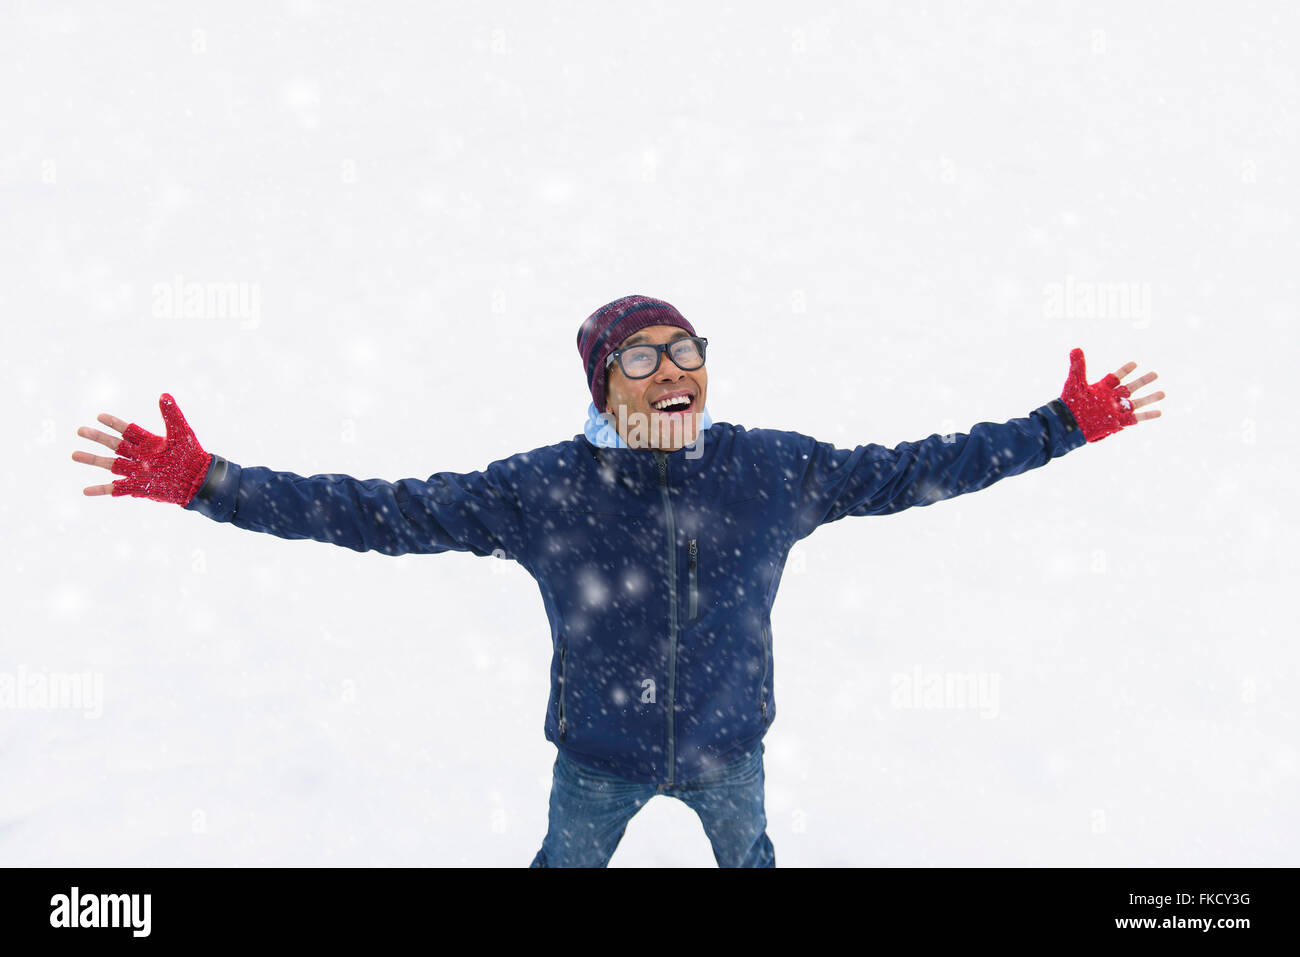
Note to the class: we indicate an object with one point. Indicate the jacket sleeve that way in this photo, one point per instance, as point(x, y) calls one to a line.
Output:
point(833, 483)
point(469, 512)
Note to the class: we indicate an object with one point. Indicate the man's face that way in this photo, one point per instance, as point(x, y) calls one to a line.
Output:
point(632, 401)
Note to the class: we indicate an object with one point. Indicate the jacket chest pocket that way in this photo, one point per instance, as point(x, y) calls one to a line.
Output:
point(767, 667)
point(693, 576)
point(564, 727)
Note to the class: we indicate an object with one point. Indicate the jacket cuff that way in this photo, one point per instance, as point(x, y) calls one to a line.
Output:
point(1063, 431)
point(216, 497)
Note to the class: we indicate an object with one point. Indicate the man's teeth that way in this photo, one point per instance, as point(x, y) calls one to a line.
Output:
point(675, 401)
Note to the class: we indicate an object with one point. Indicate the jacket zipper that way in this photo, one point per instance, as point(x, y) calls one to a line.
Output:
point(672, 608)
point(767, 658)
point(563, 649)
point(694, 590)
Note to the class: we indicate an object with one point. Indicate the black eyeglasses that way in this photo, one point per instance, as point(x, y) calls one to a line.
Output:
point(640, 361)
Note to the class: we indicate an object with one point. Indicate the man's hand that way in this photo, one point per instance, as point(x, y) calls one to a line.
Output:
point(164, 469)
point(1106, 406)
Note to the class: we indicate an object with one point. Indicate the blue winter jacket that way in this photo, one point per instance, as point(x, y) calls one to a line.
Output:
point(658, 570)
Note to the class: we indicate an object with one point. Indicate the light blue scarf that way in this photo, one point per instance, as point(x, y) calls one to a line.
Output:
point(602, 434)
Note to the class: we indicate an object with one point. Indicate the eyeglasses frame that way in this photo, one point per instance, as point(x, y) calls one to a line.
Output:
point(661, 350)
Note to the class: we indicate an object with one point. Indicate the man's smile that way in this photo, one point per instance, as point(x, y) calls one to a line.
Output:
point(679, 401)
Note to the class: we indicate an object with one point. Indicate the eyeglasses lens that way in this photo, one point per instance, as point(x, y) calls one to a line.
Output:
point(640, 361)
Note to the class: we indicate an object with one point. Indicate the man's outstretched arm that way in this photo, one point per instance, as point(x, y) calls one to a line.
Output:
point(834, 483)
point(475, 512)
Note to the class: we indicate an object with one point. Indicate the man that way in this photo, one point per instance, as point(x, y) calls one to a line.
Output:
point(657, 539)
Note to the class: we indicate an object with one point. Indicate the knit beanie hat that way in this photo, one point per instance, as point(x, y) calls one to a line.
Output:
point(609, 325)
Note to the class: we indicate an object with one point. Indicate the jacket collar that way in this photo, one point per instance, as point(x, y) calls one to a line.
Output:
point(609, 449)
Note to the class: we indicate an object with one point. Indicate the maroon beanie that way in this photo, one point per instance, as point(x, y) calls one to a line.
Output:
point(611, 324)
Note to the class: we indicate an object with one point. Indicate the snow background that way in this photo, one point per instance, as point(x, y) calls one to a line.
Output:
point(430, 198)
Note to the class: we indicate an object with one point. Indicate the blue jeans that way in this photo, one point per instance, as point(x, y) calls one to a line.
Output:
point(590, 810)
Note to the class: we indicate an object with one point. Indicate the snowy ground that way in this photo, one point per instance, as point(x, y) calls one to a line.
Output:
point(423, 203)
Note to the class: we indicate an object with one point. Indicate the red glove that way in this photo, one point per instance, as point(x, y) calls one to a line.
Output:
point(1101, 408)
point(167, 469)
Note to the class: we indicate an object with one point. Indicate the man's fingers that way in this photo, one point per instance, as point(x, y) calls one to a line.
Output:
point(113, 421)
point(98, 490)
point(1124, 370)
point(1139, 383)
point(103, 461)
point(111, 441)
point(173, 420)
point(1153, 414)
point(1078, 376)
point(1147, 399)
